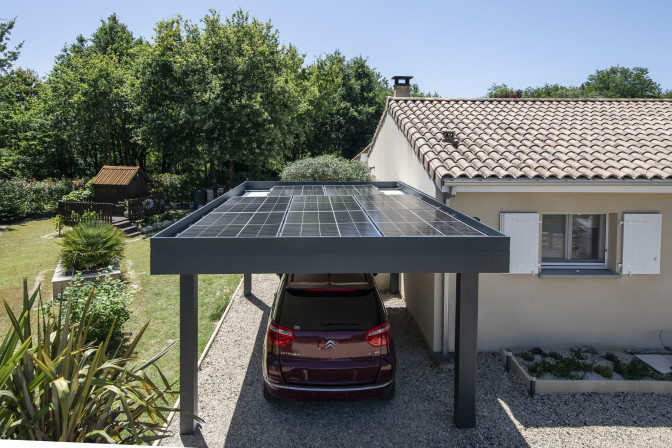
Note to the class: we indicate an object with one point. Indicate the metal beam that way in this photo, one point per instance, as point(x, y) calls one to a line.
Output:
point(394, 283)
point(188, 352)
point(247, 284)
point(466, 331)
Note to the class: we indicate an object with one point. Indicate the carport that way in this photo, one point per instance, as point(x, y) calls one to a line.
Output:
point(308, 227)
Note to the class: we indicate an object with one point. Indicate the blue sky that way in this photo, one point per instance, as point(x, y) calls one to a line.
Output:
point(458, 49)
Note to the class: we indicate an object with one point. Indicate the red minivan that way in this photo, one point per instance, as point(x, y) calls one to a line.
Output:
point(328, 337)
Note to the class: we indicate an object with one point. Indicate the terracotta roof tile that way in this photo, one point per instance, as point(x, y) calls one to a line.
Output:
point(532, 138)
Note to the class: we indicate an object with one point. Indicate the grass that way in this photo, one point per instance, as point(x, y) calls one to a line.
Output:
point(30, 250)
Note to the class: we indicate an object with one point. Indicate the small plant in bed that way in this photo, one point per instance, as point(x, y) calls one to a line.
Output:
point(108, 311)
point(571, 367)
point(92, 245)
point(526, 356)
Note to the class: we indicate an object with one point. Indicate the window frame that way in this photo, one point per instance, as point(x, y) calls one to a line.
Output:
point(576, 263)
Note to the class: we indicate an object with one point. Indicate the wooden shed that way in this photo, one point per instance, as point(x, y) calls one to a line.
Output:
point(117, 183)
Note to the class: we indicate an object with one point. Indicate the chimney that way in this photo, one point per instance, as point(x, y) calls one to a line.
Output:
point(402, 86)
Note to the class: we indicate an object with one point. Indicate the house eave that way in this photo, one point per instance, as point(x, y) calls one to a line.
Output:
point(511, 185)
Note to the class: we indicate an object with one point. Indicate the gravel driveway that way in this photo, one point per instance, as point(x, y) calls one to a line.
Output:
point(421, 414)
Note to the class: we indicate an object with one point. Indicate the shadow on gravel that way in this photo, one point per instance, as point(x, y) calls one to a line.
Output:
point(421, 414)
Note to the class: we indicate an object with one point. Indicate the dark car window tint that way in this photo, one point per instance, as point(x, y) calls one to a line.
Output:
point(305, 311)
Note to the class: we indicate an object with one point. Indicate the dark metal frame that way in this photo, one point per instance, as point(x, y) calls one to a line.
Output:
point(465, 255)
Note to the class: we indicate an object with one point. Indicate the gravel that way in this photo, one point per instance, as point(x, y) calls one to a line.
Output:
point(421, 414)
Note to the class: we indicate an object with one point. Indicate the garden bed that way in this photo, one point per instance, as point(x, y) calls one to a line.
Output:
point(62, 277)
point(576, 372)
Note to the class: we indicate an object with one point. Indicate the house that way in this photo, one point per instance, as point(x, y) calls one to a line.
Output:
point(584, 189)
point(118, 183)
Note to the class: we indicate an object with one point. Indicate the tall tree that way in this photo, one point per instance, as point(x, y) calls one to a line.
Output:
point(7, 56)
point(247, 95)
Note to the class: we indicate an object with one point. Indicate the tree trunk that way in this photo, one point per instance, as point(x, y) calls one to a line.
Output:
point(213, 177)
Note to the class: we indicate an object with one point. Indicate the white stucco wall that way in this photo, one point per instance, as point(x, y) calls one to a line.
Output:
point(393, 159)
point(519, 310)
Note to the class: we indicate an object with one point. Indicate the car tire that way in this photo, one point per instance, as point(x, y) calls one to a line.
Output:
point(389, 394)
point(268, 396)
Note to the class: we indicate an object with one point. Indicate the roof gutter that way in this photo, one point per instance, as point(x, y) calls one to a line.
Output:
point(451, 185)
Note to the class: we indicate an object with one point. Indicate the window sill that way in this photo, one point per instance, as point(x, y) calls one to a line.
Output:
point(578, 273)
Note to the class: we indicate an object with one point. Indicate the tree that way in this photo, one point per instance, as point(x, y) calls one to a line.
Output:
point(7, 56)
point(87, 101)
point(621, 82)
point(614, 82)
point(247, 97)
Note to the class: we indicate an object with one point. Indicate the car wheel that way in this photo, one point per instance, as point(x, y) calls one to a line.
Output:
point(268, 396)
point(389, 394)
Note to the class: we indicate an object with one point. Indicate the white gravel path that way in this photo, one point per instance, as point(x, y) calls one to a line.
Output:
point(421, 414)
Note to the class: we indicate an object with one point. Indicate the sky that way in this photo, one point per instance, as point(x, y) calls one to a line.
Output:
point(458, 49)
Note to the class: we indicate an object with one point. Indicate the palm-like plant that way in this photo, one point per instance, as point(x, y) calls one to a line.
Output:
point(55, 386)
point(92, 245)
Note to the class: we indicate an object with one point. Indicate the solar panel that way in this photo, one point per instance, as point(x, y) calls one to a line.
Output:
point(406, 215)
point(246, 217)
point(327, 216)
point(331, 215)
point(350, 190)
point(296, 190)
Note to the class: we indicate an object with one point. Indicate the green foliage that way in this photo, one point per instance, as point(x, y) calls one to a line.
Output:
point(614, 82)
point(526, 356)
point(636, 369)
point(326, 168)
point(622, 82)
point(604, 371)
point(59, 223)
point(92, 245)
point(81, 194)
point(108, 309)
point(22, 197)
point(85, 216)
point(177, 188)
point(571, 367)
point(7, 56)
point(57, 387)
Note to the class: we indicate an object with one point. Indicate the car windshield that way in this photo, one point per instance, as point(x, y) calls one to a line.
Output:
point(329, 311)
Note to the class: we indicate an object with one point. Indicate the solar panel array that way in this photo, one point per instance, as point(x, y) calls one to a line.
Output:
point(323, 190)
point(336, 211)
point(327, 216)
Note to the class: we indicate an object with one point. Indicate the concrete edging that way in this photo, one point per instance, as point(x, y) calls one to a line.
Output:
point(539, 386)
point(205, 352)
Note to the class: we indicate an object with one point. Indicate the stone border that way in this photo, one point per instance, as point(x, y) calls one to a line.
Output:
point(540, 386)
point(62, 279)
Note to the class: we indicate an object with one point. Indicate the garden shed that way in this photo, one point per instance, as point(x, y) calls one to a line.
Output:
point(118, 183)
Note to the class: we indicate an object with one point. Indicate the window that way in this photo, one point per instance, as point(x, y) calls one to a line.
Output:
point(573, 240)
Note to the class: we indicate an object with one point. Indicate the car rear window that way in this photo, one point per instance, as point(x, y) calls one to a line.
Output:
point(329, 311)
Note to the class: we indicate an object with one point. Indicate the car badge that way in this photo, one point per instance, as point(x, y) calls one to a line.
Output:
point(329, 344)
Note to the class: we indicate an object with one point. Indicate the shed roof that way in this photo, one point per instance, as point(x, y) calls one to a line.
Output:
point(500, 138)
point(117, 175)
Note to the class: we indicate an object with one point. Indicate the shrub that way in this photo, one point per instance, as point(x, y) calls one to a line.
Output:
point(92, 245)
point(108, 309)
point(57, 387)
point(605, 371)
point(22, 197)
point(80, 193)
point(176, 187)
point(326, 168)
point(59, 222)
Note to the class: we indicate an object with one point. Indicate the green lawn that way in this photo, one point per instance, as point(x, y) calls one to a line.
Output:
point(30, 250)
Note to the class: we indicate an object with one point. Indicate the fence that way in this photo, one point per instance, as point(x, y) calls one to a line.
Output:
point(138, 208)
point(104, 210)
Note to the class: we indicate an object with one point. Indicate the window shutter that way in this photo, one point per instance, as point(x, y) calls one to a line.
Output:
point(523, 229)
point(641, 243)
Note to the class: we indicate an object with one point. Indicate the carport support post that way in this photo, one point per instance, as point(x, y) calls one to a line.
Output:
point(394, 283)
point(247, 284)
point(466, 314)
point(188, 352)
